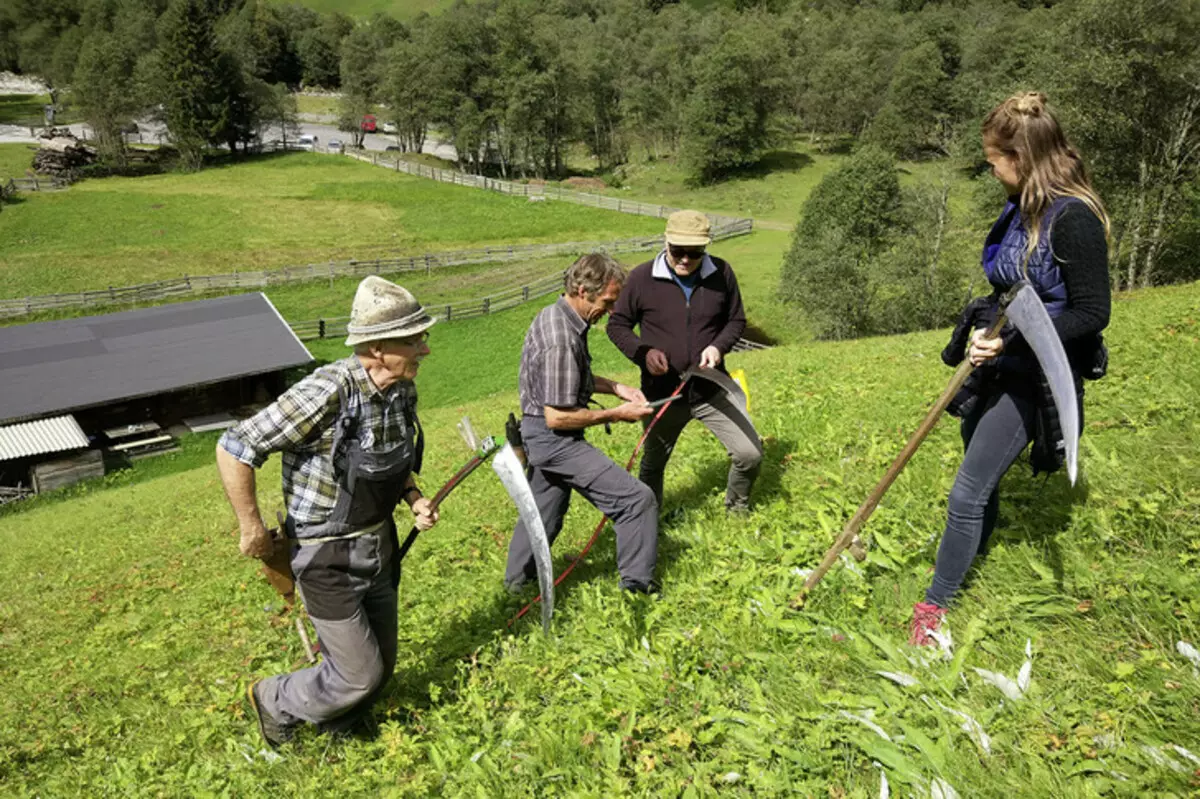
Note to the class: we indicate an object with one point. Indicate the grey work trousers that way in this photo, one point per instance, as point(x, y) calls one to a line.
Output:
point(358, 651)
point(727, 423)
point(560, 462)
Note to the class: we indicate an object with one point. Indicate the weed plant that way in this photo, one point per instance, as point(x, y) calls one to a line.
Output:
point(131, 626)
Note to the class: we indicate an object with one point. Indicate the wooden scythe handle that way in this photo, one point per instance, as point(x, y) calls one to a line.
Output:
point(872, 501)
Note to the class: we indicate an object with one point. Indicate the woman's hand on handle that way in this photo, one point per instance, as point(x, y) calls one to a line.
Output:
point(984, 349)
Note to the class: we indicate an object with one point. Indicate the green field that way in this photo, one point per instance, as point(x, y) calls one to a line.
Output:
point(271, 212)
point(774, 191)
point(15, 159)
point(131, 626)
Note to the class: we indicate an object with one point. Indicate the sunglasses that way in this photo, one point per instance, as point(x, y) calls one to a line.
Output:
point(413, 341)
point(691, 253)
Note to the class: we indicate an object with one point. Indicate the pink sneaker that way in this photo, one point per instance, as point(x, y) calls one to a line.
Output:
point(926, 618)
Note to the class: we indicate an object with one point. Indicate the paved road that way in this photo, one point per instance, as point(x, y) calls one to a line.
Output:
point(154, 133)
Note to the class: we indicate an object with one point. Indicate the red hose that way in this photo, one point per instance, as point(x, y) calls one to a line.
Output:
point(599, 527)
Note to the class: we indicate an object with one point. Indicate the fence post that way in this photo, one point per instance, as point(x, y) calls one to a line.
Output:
point(320, 328)
point(112, 295)
point(487, 304)
point(427, 270)
point(524, 293)
point(448, 313)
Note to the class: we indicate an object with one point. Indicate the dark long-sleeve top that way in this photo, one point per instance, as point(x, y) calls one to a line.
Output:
point(1080, 250)
point(668, 321)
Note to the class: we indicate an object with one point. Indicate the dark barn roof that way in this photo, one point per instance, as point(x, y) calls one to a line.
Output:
point(56, 367)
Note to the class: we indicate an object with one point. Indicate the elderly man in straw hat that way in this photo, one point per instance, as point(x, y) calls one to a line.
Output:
point(351, 444)
point(688, 311)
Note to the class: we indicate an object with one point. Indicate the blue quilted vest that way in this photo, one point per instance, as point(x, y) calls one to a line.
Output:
point(1004, 255)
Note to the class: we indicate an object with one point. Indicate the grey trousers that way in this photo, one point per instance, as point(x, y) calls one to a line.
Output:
point(358, 651)
point(730, 427)
point(559, 463)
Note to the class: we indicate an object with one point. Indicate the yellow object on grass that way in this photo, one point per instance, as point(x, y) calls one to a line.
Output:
point(739, 377)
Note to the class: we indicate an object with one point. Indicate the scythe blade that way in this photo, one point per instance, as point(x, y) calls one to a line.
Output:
point(737, 397)
point(1027, 313)
point(512, 474)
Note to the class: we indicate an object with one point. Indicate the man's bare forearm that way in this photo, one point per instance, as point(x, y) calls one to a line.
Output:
point(239, 482)
point(578, 418)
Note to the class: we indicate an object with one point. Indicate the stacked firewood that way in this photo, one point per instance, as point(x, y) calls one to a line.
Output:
point(60, 153)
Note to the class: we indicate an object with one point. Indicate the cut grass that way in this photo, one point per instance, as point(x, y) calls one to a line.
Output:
point(131, 626)
point(267, 212)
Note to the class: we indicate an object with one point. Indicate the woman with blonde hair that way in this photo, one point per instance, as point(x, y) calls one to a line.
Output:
point(1053, 231)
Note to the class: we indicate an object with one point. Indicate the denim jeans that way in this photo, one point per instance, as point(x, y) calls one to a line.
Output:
point(994, 435)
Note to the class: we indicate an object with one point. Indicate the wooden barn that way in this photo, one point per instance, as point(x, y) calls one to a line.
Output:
point(79, 394)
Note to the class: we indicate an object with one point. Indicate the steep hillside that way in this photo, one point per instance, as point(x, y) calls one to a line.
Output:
point(131, 626)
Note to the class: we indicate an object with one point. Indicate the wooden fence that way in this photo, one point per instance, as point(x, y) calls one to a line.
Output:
point(540, 191)
point(262, 278)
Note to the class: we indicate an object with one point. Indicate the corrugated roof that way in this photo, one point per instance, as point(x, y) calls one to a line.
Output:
point(57, 367)
point(44, 435)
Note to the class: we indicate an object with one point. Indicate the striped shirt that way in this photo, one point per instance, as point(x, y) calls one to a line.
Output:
point(300, 425)
point(556, 367)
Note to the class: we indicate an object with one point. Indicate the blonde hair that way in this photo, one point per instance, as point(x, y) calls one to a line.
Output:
point(1024, 128)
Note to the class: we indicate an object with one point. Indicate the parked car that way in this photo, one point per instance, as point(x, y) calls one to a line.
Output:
point(335, 146)
point(389, 127)
point(368, 123)
point(392, 148)
point(307, 142)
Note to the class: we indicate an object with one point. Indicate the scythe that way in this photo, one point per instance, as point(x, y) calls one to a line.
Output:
point(1021, 306)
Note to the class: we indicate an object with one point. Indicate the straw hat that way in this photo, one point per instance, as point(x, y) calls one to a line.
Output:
point(688, 229)
point(384, 310)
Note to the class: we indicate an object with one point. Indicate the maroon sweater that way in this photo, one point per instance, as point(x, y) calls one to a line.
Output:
point(667, 321)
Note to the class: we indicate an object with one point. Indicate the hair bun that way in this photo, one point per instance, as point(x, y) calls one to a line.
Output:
point(1031, 103)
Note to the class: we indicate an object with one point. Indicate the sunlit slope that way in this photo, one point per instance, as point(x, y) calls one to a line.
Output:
point(131, 626)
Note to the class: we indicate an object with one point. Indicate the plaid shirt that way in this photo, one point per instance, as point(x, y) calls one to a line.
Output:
point(300, 425)
point(556, 367)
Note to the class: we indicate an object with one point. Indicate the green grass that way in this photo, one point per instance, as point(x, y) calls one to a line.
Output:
point(131, 626)
point(28, 109)
point(269, 212)
point(773, 192)
point(22, 109)
point(15, 159)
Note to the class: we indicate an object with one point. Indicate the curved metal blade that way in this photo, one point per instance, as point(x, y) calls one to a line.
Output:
point(512, 475)
point(1027, 313)
point(727, 384)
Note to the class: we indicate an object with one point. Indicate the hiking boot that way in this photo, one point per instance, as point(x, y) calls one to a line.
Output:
point(272, 731)
point(927, 618)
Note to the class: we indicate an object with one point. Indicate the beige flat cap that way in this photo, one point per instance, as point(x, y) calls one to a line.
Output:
point(688, 229)
point(384, 310)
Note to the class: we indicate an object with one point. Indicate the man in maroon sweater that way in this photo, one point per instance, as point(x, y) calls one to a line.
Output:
point(688, 311)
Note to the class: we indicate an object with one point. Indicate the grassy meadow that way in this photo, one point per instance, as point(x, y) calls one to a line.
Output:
point(15, 159)
point(130, 625)
point(269, 212)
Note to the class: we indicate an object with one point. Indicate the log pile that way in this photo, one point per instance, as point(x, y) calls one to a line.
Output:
point(60, 154)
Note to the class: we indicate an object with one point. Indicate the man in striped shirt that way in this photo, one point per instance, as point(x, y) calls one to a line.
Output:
point(556, 385)
point(351, 443)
